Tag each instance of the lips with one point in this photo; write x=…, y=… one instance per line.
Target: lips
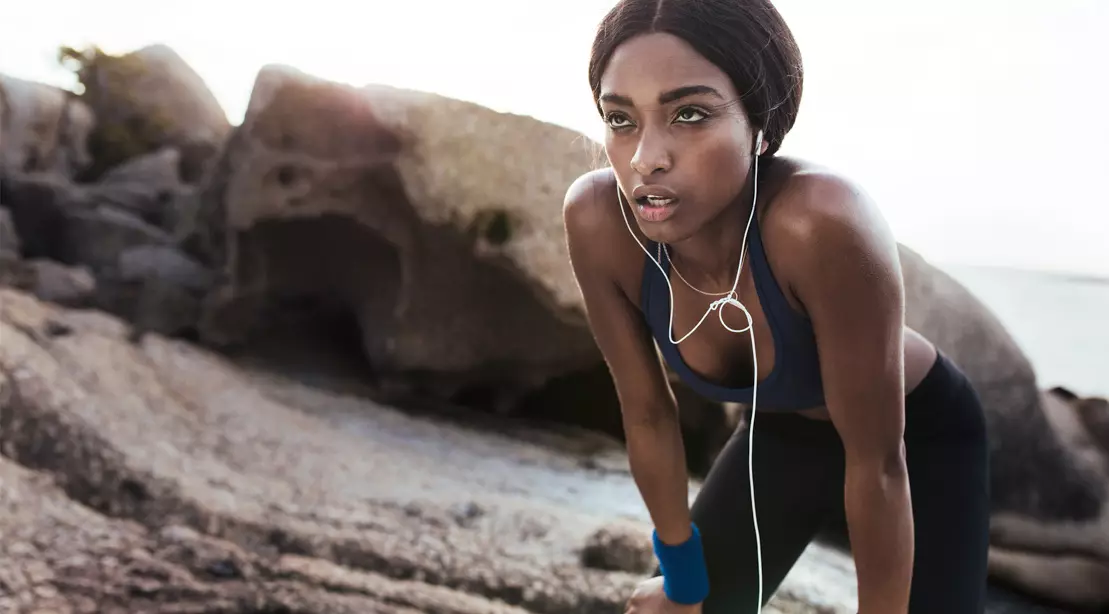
x=655, y=202
x=655, y=190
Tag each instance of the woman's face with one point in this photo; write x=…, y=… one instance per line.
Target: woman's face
x=676, y=132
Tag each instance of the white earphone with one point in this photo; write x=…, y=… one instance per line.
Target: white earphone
x=732, y=299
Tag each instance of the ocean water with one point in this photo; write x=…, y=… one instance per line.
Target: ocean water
x=1061, y=322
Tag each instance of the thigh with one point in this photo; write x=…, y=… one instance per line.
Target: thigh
x=795, y=462
x=948, y=463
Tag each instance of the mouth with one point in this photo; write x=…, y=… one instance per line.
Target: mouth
x=656, y=208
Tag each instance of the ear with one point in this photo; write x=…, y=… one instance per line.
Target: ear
x=765, y=145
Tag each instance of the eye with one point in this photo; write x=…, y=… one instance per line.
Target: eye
x=691, y=115
x=617, y=120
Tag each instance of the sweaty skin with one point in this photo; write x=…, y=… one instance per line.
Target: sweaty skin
x=831, y=252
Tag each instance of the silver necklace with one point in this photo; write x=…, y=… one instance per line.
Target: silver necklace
x=674, y=266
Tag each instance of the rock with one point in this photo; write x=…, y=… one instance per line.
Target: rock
x=617, y=547
x=42, y=128
x=49, y=280
x=1072, y=580
x=155, y=286
x=452, y=264
x=39, y=204
x=1033, y=470
x=49, y=212
x=1049, y=479
x=146, y=100
x=426, y=217
x=82, y=561
x=9, y=238
x=209, y=471
x=1094, y=413
x=162, y=262
x=97, y=237
x=148, y=187
x=140, y=274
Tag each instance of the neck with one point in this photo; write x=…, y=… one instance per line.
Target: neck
x=709, y=258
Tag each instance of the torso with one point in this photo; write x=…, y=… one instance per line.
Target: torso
x=715, y=354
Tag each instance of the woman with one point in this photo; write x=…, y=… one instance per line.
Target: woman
x=775, y=283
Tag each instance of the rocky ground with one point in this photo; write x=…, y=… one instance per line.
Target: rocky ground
x=61, y=556
x=155, y=476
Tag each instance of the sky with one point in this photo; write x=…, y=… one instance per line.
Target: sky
x=981, y=127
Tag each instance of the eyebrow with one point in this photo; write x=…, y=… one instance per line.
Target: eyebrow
x=665, y=97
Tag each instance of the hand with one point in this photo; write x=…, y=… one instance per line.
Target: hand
x=648, y=598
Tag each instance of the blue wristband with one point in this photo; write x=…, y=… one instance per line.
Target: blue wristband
x=685, y=577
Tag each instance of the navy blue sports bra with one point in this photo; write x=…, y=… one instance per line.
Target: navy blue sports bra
x=793, y=384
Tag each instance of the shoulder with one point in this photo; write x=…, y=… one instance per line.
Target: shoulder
x=589, y=198
x=814, y=205
x=823, y=226
x=598, y=234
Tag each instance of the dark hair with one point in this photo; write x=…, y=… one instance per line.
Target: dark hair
x=747, y=39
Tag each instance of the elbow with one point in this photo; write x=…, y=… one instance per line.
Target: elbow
x=893, y=464
x=649, y=416
x=887, y=467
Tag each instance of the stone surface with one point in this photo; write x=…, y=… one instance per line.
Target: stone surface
x=58, y=555
x=49, y=280
x=138, y=270
x=168, y=435
x=42, y=128
x=9, y=238
x=432, y=219
x=1042, y=472
x=148, y=187
x=619, y=547
x=146, y=100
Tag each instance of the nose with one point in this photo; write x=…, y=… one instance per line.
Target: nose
x=652, y=155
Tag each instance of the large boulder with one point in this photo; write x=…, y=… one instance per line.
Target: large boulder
x=144, y=101
x=42, y=128
x=1033, y=471
x=1048, y=451
x=436, y=222
x=1065, y=559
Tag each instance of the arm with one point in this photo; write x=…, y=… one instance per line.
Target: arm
x=849, y=280
x=649, y=412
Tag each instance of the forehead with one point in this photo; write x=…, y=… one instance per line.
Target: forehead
x=646, y=65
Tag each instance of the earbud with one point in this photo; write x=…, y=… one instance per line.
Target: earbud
x=758, y=143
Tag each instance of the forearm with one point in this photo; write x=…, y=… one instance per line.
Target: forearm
x=880, y=521
x=657, y=458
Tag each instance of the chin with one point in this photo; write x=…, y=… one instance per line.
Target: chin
x=671, y=230
x=664, y=232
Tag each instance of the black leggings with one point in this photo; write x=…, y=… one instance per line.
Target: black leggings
x=799, y=475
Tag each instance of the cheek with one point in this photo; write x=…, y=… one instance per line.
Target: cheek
x=619, y=153
x=618, y=150
x=719, y=165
